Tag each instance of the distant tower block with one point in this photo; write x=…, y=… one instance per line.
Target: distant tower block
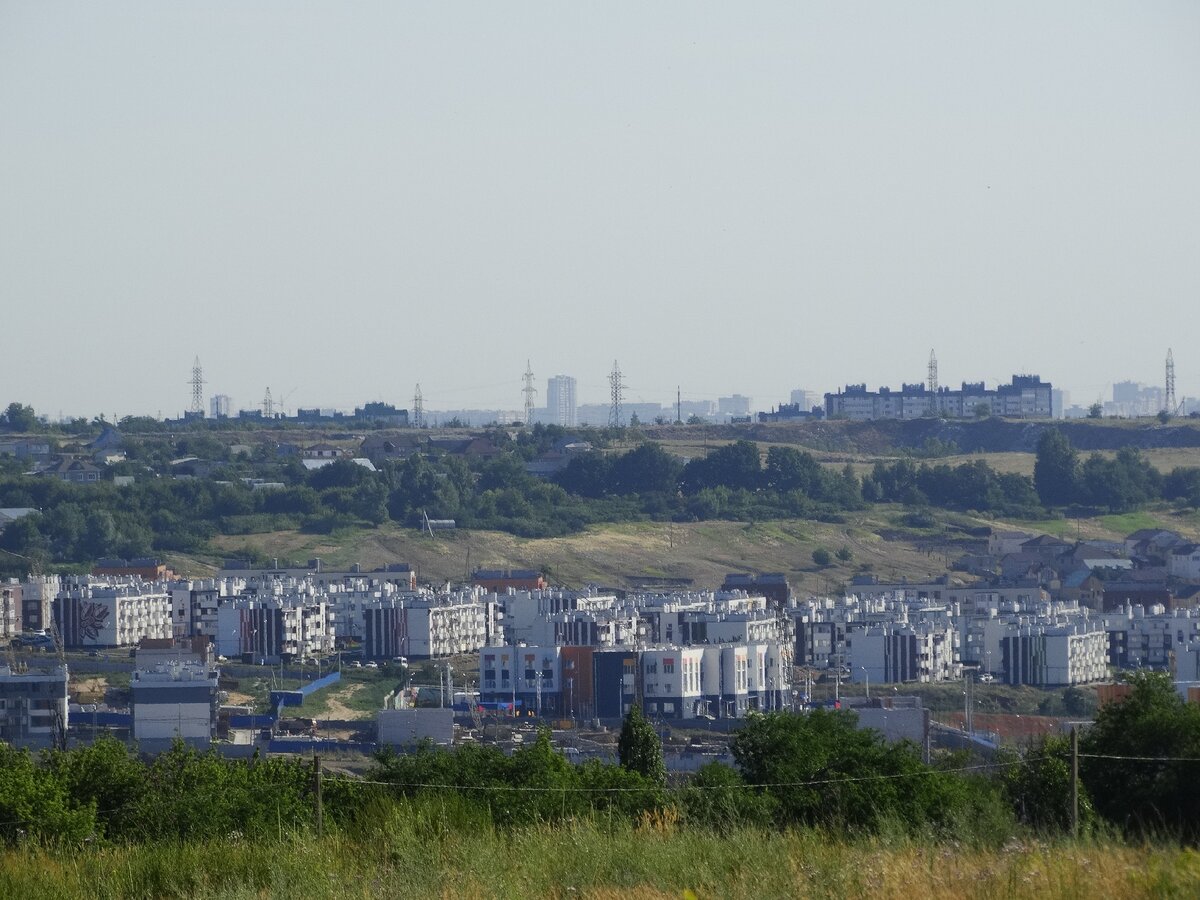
x=268, y=405
x=1169, y=400
x=197, y=388
x=418, y=408
x=933, y=379
x=529, y=391
x=616, y=387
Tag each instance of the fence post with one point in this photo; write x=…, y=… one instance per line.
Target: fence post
x=317, y=795
x=1074, y=781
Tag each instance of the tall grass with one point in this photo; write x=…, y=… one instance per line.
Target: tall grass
x=426, y=849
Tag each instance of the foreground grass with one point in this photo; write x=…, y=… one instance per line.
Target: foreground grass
x=415, y=858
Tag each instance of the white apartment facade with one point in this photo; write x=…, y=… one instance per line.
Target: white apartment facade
x=89, y=613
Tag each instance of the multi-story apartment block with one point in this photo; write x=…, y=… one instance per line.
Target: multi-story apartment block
x=274, y=628
x=219, y=406
x=924, y=652
x=426, y=627
x=194, y=606
x=560, y=401
x=117, y=613
x=673, y=682
x=1026, y=397
x=1053, y=655
x=177, y=700
x=37, y=601
x=11, y=609
x=320, y=575
x=1141, y=637
x=33, y=707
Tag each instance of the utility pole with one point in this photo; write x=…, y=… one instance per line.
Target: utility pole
x=616, y=387
x=418, y=408
x=1169, y=400
x=197, y=389
x=1074, y=781
x=317, y=795
x=529, y=391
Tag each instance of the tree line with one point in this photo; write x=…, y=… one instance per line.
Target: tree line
x=75, y=524
x=815, y=770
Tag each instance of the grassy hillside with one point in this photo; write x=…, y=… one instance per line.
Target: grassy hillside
x=880, y=539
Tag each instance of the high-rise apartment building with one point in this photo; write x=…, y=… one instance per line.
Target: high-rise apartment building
x=560, y=401
x=219, y=406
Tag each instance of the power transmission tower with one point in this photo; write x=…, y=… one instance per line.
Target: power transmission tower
x=678, y=406
x=616, y=386
x=197, y=388
x=268, y=405
x=529, y=392
x=933, y=379
x=418, y=408
x=1170, y=398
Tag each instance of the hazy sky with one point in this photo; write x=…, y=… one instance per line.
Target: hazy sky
x=339, y=199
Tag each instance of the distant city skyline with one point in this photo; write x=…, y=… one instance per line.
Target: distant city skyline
x=1115, y=396
x=342, y=200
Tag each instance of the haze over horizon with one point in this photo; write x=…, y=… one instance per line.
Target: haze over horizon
x=341, y=200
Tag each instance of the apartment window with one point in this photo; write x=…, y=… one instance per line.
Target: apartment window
x=668, y=667
x=651, y=668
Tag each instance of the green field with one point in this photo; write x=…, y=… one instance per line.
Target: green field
x=425, y=857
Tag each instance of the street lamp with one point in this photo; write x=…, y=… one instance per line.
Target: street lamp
x=867, y=676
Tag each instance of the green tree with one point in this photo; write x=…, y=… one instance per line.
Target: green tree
x=34, y=802
x=639, y=748
x=19, y=417
x=845, y=554
x=820, y=769
x=1056, y=469
x=645, y=470
x=735, y=465
x=1130, y=759
x=1095, y=411
x=821, y=557
x=1039, y=787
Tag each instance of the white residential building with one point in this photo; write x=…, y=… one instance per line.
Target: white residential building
x=118, y=613
x=560, y=401
x=923, y=652
x=671, y=682
x=174, y=700
x=1184, y=562
x=10, y=609
x=1055, y=655
x=426, y=627
x=273, y=628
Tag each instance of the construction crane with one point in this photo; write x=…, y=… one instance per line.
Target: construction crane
x=280, y=404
